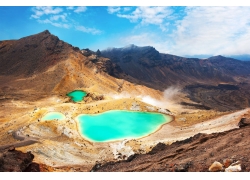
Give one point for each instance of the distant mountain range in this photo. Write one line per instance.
(243, 57)
(159, 70)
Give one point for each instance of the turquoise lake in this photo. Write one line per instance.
(53, 115)
(77, 95)
(117, 125)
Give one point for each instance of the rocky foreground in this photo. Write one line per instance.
(226, 151)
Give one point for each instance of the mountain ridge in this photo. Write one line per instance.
(17, 57)
(133, 46)
(177, 68)
(215, 66)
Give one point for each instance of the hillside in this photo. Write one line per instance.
(159, 71)
(199, 96)
(43, 64)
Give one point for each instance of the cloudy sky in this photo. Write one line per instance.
(180, 30)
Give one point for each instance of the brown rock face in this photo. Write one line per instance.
(16, 161)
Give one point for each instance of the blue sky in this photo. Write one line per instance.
(180, 30)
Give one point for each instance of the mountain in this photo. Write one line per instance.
(41, 64)
(158, 70)
(243, 57)
(33, 54)
(202, 79)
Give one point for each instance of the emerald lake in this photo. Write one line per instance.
(117, 125)
(77, 95)
(53, 115)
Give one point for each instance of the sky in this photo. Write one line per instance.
(184, 30)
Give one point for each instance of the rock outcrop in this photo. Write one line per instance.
(12, 160)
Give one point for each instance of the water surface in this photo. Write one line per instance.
(77, 95)
(53, 115)
(117, 125)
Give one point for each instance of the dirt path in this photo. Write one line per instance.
(24, 140)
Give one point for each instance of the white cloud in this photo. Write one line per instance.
(88, 30)
(213, 30)
(194, 30)
(80, 9)
(146, 39)
(52, 16)
(57, 24)
(113, 9)
(70, 7)
(127, 9)
(58, 17)
(148, 15)
(45, 10)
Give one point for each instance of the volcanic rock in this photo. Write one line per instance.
(244, 122)
(15, 161)
(227, 162)
(216, 166)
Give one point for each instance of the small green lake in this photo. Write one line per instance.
(53, 115)
(117, 125)
(77, 95)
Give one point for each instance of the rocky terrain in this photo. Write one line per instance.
(222, 97)
(195, 154)
(206, 100)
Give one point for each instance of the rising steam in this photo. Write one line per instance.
(169, 100)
